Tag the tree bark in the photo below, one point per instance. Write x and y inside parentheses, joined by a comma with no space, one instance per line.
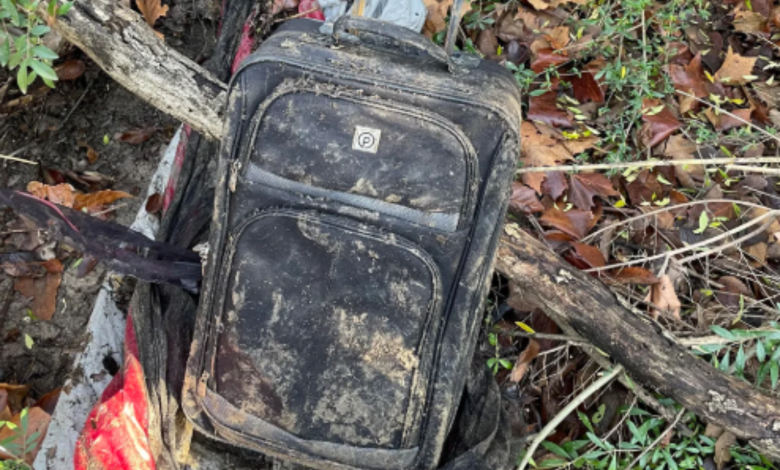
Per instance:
(126,48)
(582,304)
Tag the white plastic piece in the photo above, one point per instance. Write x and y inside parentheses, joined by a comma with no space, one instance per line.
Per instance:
(407,13)
(106,330)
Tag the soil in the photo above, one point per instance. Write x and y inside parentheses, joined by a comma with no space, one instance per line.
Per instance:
(54,129)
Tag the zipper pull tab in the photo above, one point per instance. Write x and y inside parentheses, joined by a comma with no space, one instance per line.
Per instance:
(235,169)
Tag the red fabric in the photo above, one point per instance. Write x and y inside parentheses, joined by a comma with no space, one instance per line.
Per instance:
(115,435)
(245,44)
(178,161)
(310,9)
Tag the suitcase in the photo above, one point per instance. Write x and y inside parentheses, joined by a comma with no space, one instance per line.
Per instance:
(362,187)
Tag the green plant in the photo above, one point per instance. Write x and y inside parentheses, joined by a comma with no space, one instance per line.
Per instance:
(19,443)
(495,363)
(21,40)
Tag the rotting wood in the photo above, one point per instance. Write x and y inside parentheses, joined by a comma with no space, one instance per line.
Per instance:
(127,49)
(123,45)
(586,306)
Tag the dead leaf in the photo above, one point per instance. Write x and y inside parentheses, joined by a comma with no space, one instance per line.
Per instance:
(70,70)
(586,186)
(436,22)
(523,199)
(555,184)
(663,296)
(631,275)
(540,149)
(712,431)
(590,256)
(42,291)
(545,58)
(750,22)
(138,136)
(723,449)
(680,147)
(586,88)
(100,198)
(92,155)
(758,253)
(14,397)
(733,290)
(558,37)
(544,109)
(723,122)
(660,121)
(152,10)
(524,361)
(690,78)
(62,194)
(735,68)
(575,223)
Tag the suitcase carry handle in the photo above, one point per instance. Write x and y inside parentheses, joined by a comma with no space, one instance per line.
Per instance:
(392,35)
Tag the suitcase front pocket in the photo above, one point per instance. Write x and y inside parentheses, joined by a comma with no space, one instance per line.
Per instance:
(322,323)
(376,153)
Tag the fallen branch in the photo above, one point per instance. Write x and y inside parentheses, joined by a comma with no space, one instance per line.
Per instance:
(648,164)
(127,49)
(582,305)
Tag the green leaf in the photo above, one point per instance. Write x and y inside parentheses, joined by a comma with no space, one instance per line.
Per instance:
(585,421)
(724,363)
(64,8)
(43,52)
(740,360)
(11,9)
(5,53)
(773,373)
(704,222)
(16,59)
(599,415)
(51,8)
(722,332)
(40,30)
(44,70)
(760,351)
(21,78)
(553,463)
(555,449)
(538,92)
(505,363)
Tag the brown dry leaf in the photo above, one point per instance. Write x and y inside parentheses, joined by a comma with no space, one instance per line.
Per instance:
(437,14)
(690,78)
(590,256)
(723,122)
(546,57)
(751,22)
(92,155)
(70,70)
(660,123)
(555,184)
(62,194)
(42,291)
(774,227)
(575,223)
(733,290)
(723,449)
(152,10)
(680,147)
(586,87)
(37,422)
(586,186)
(735,68)
(13,399)
(100,198)
(758,253)
(540,148)
(558,37)
(155,203)
(523,199)
(524,361)
(712,431)
(662,295)
(138,136)
(544,109)
(632,275)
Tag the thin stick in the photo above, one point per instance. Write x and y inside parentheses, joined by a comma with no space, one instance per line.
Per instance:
(668,208)
(571,407)
(732,243)
(658,439)
(754,169)
(523,334)
(721,110)
(706,242)
(17,159)
(650,164)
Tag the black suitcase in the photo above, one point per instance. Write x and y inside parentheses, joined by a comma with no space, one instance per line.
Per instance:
(362,186)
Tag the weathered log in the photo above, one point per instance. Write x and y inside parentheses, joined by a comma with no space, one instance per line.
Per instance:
(126,48)
(584,305)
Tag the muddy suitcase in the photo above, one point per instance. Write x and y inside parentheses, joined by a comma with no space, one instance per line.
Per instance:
(363,182)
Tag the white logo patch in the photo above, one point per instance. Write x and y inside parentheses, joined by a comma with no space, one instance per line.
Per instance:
(366,139)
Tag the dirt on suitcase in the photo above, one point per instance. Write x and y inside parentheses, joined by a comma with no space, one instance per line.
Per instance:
(95,135)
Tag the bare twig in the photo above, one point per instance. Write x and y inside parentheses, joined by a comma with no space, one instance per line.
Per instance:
(656,163)
(700,244)
(571,407)
(17,159)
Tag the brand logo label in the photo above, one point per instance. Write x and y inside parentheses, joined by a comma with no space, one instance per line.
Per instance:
(366,139)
